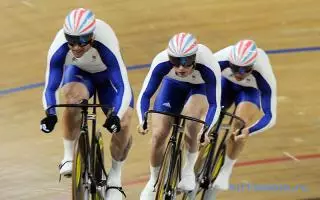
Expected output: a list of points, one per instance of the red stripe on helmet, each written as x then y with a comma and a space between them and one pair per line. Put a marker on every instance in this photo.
88, 27
191, 47
183, 35
251, 59
82, 11
246, 46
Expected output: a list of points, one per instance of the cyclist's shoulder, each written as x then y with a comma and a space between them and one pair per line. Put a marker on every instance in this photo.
204, 58
263, 65
105, 34
160, 59
103, 28
203, 50
222, 54
59, 44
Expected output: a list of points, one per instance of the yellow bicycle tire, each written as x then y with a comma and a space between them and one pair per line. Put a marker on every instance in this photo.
162, 177
77, 168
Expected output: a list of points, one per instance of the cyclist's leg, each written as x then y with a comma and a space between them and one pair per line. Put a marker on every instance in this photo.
170, 98
196, 106
120, 142
247, 106
228, 95
76, 86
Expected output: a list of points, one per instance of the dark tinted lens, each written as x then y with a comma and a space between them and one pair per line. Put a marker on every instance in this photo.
240, 69
78, 40
183, 61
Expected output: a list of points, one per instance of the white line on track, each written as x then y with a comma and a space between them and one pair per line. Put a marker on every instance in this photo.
27, 3
291, 156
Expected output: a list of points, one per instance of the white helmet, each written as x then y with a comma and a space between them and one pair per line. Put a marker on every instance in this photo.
182, 45
244, 53
79, 22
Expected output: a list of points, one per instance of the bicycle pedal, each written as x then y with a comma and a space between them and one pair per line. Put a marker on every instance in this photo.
65, 175
102, 183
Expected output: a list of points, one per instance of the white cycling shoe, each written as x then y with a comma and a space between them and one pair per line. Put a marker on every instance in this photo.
222, 181
188, 181
148, 192
65, 168
114, 193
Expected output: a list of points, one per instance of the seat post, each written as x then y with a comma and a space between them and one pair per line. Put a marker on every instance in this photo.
94, 111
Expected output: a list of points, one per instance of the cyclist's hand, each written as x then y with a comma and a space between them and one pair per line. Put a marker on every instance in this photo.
141, 130
112, 123
47, 124
242, 138
206, 138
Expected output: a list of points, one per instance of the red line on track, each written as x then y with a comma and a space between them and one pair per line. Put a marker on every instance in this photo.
240, 164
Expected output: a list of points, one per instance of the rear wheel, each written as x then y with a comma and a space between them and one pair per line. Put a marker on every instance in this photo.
79, 191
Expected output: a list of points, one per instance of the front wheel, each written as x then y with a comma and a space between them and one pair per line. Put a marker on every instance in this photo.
79, 191
167, 182
98, 168
210, 193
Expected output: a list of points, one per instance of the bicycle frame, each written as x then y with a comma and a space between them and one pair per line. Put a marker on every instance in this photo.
174, 142
214, 152
89, 181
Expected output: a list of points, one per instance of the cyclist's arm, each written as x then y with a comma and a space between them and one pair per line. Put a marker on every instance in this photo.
212, 77
108, 47
211, 74
266, 82
54, 72
151, 83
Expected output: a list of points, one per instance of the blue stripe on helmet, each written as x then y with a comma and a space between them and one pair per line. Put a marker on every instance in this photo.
190, 38
69, 21
89, 15
245, 59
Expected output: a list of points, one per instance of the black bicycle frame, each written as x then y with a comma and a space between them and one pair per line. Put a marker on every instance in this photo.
85, 116
175, 141
206, 179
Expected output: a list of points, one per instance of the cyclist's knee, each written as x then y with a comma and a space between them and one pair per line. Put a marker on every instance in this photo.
158, 137
75, 92
237, 124
247, 111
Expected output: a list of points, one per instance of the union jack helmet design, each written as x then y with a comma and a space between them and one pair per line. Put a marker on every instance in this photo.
182, 45
244, 53
79, 22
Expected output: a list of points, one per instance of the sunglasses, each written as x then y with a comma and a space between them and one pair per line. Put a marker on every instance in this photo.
240, 69
182, 61
81, 41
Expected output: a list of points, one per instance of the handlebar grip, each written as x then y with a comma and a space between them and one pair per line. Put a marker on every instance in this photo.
84, 102
145, 125
202, 137
240, 130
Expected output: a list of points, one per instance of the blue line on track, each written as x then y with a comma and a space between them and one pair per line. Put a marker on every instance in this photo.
142, 66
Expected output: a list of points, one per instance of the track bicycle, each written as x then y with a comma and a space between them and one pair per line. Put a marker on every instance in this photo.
211, 156
170, 170
89, 177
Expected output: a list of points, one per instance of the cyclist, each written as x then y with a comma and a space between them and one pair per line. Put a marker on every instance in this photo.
85, 57
190, 79
248, 82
